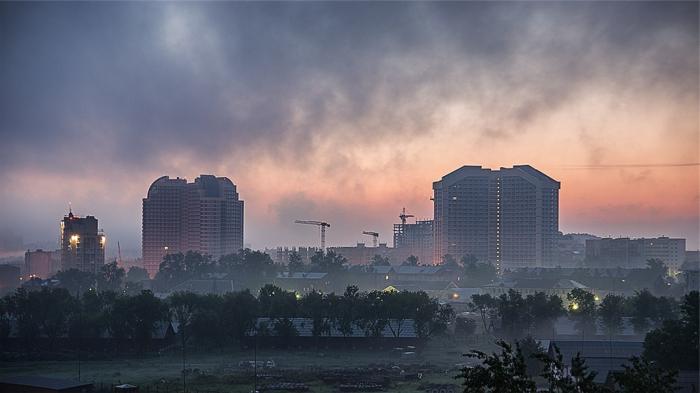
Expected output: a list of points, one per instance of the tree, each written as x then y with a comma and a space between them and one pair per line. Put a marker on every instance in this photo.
645, 377
75, 281
675, 344
111, 277
378, 260
230, 262
486, 305
511, 309
207, 324
478, 273
329, 262
4, 319
348, 309
182, 307
542, 311
55, 307
577, 380
315, 306
412, 260
644, 309
611, 310
135, 317
284, 329
430, 317
372, 314
465, 326
24, 306
503, 373
295, 263
582, 310
239, 313
136, 274
92, 315
531, 350
172, 270
276, 302
449, 261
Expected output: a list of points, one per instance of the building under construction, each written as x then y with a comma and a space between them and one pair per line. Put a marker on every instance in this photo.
414, 239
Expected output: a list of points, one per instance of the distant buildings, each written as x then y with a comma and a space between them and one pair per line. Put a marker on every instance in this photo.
9, 278
509, 217
571, 249
414, 239
280, 255
361, 254
205, 216
82, 244
41, 264
634, 253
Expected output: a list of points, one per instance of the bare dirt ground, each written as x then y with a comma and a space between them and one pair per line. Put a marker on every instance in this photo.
430, 370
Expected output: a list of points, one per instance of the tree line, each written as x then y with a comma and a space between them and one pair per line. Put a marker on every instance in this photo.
54, 313
671, 347
518, 315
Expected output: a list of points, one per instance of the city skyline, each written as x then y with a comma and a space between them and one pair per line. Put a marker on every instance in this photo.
600, 96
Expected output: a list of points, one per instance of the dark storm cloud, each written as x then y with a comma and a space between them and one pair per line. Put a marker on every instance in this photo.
131, 82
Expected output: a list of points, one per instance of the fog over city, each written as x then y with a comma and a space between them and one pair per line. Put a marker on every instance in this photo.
347, 112
350, 196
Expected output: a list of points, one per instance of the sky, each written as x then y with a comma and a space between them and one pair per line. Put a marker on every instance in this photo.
347, 112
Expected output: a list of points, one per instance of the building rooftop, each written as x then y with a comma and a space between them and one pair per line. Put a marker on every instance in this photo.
43, 382
301, 275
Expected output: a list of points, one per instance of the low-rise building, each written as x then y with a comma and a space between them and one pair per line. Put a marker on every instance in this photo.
601, 356
558, 287
361, 254
41, 264
634, 253
303, 282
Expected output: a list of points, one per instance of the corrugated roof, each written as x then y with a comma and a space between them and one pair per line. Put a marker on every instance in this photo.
43, 382
600, 356
301, 275
417, 269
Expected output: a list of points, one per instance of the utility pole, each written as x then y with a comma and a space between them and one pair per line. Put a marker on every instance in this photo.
80, 327
255, 360
184, 372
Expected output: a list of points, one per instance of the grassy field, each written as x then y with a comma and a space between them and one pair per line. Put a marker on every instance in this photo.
218, 370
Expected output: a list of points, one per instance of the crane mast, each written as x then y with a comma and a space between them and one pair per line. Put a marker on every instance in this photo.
322, 225
375, 237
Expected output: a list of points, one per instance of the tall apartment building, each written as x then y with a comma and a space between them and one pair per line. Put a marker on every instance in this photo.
82, 244
509, 217
205, 216
414, 239
634, 253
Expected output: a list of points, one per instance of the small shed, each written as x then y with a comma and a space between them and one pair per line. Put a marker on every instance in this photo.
36, 384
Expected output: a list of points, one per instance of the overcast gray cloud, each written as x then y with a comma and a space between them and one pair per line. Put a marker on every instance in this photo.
109, 88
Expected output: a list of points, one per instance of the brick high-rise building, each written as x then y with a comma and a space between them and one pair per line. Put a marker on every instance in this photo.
205, 216
509, 217
82, 244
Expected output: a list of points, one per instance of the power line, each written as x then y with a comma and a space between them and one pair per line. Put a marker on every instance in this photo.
616, 166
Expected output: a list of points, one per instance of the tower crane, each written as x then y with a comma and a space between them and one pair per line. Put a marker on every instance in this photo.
375, 237
320, 224
403, 216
